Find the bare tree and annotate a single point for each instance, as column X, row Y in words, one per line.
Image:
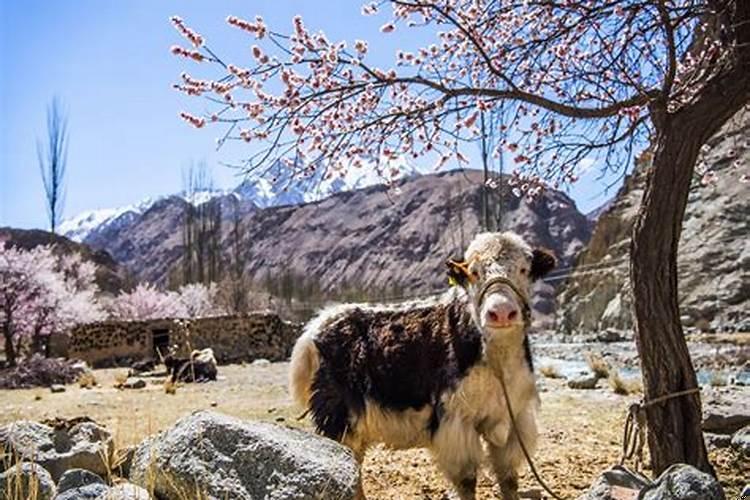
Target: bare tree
column 579, row 80
column 52, row 162
column 201, row 230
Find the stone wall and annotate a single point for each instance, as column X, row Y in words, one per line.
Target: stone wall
column 233, row 339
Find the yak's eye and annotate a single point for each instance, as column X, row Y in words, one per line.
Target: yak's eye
column 475, row 273
column 524, row 271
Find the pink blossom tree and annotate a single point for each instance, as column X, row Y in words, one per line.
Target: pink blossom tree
column 564, row 80
column 146, row 302
column 42, row 293
column 200, row 301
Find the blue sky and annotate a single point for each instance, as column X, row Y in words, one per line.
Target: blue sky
column 110, row 63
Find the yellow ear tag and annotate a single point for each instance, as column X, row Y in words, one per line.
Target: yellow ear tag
column 452, row 281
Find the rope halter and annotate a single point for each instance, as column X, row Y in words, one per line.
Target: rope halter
column 497, row 282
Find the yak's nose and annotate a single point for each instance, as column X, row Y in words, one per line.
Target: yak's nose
column 500, row 311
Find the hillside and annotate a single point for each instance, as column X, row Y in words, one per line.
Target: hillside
column 714, row 251
column 373, row 238
column 110, row 276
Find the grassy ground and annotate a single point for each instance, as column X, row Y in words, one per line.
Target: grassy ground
column 581, row 430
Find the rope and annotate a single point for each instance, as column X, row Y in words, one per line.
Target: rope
column 634, row 432
column 520, row 441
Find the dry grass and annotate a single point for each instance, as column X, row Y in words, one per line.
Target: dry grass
column 120, row 379
column 624, row 387
column 717, row 379
column 86, row 380
column 580, row 430
column 597, row 364
column 550, row 371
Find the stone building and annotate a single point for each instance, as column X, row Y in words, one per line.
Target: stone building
column 233, row 339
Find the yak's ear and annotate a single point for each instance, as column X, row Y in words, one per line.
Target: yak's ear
column 542, row 262
column 458, row 272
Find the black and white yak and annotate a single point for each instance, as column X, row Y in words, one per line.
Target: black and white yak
column 426, row 374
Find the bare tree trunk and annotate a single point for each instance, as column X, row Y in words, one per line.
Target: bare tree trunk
column 674, row 426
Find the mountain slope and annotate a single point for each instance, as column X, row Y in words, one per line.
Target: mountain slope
column 714, row 251
column 110, row 276
column 369, row 238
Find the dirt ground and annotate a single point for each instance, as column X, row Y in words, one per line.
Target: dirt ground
column 581, row 430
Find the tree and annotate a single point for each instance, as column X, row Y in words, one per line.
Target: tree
column 199, row 300
column 52, row 162
column 201, row 231
column 146, row 302
column 41, row 294
column 581, row 79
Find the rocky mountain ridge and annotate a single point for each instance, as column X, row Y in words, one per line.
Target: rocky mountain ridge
column 714, row 251
column 374, row 238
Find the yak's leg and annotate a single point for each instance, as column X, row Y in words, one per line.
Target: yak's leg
column 508, row 457
column 458, row 453
column 359, row 448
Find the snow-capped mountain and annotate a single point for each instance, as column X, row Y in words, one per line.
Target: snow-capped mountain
column 79, row 227
column 277, row 187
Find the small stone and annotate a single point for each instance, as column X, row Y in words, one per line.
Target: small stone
column 214, row 404
column 126, row 491
column 715, row 441
column 583, row 382
column 56, row 388
column 76, row 478
column 88, row 492
column 741, row 441
column 134, row 383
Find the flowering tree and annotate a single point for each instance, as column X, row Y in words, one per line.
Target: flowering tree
column 564, row 80
column 146, row 302
column 40, row 294
column 199, row 300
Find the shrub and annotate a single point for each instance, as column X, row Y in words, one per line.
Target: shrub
column 38, row 371
column 623, row 386
column 597, row 364
column 550, row 371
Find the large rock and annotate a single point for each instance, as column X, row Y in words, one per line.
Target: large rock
column 23, row 479
column 615, row 484
column 83, row 446
column 223, row 457
column 725, row 413
column 683, row 482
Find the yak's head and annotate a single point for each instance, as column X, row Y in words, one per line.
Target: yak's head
column 496, row 273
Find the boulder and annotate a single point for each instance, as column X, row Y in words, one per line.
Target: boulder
column 23, row 479
column 583, row 382
column 56, row 388
column 224, row 457
column 615, row 484
column 741, row 441
column 85, row 445
column 683, row 482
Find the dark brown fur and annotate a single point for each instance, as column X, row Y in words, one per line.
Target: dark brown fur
column 400, row 359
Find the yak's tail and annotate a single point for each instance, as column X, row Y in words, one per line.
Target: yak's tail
column 304, row 364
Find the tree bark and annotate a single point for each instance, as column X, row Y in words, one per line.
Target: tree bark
column 674, row 425
column 10, row 352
